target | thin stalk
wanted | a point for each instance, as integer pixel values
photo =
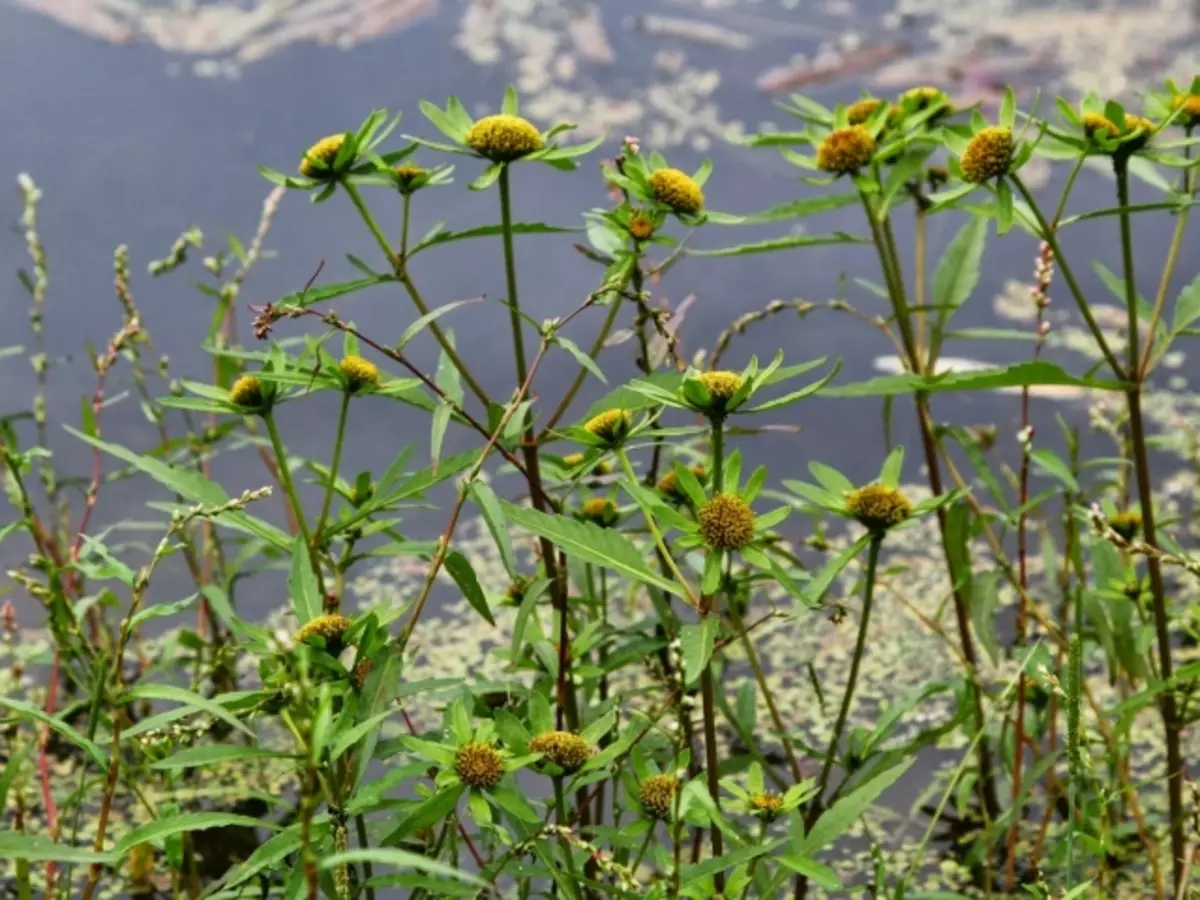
(285, 478)
(560, 811)
(338, 440)
(581, 376)
(1121, 168)
(814, 809)
(659, 541)
(919, 276)
(510, 275)
(637, 860)
(360, 826)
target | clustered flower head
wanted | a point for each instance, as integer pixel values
(318, 159)
(359, 373)
(922, 98)
(846, 150)
(726, 522)
(641, 226)
(988, 155)
(657, 796)
(1190, 106)
(1127, 524)
(721, 385)
(859, 113)
(879, 506)
(330, 627)
(247, 391)
(678, 190)
(669, 483)
(600, 510)
(611, 426)
(479, 765)
(566, 750)
(407, 176)
(766, 804)
(503, 138)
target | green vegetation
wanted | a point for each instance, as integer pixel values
(647, 712)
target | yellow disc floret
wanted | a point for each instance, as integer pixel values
(678, 190)
(359, 373)
(247, 391)
(1127, 524)
(318, 159)
(331, 628)
(600, 510)
(612, 425)
(878, 506)
(721, 385)
(1096, 125)
(726, 522)
(566, 750)
(504, 138)
(479, 765)
(407, 176)
(767, 805)
(1189, 106)
(859, 113)
(846, 150)
(988, 155)
(657, 796)
(641, 226)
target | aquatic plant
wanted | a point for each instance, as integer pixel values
(640, 681)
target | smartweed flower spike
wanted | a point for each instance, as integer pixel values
(988, 155)
(479, 765)
(359, 373)
(657, 796)
(879, 507)
(846, 150)
(1127, 524)
(566, 750)
(726, 522)
(331, 628)
(611, 426)
(318, 159)
(678, 190)
(503, 138)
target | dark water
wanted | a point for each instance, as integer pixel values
(128, 154)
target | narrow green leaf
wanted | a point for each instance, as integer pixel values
(489, 506)
(784, 243)
(185, 822)
(1023, 374)
(186, 698)
(39, 848)
(28, 709)
(463, 573)
(193, 757)
(835, 820)
(306, 596)
(958, 271)
(697, 641)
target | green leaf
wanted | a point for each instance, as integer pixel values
(446, 237)
(161, 610)
(347, 739)
(489, 507)
(821, 582)
(307, 602)
(728, 860)
(1050, 462)
(28, 709)
(419, 324)
(697, 644)
(461, 571)
(784, 243)
(958, 271)
(201, 821)
(191, 757)
(835, 820)
(1023, 374)
(390, 856)
(816, 872)
(192, 486)
(274, 850)
(1187, 306)
(580, 357)
(795, 209)
(186, 698)
(591, 543)
(39, 848)
(315, 295)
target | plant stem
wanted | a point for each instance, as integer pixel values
(814, 809)
(285, 476)
(510, 274)
(1121, 168)
(334, 465)
(369, 220)
(360, 826)
(560, 809)
(637, 860)
(659, 540)
(406, 207)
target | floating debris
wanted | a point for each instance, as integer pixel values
(587, 33)
(831, 67)
(692, 30)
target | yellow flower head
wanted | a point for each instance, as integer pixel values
(332, 628)
(504, 138)
(767, 805)
(566, 750)
(669, 483)
(878, 506)
(1127, 524)
(937, 176)
(1190, 106)
(479, 765)
(602, 467)
(317, 161)
(726, 522)
(1141, 128)
(247, 391)
(677, 190)
(641, 226)
(612, 425)
(1094, 124)
(860, 112)
(359, 373)
(657, 796)
(600, 510)
(361, 673)
(846, 150)
(721, 385)
(988, 155)
(922, 98)
(406, 177)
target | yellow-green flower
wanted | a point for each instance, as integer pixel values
(641, 226)
(247, 391)
(332, 628)
(503, 138)
(317, 161)
(859, 113)
(846, 150)
(611, 426)
(359, 373)
(566, 750)
(726, 522)
(600, 510)
(657, 796)
(678, 190)
(479, 765)
(1096, 124)
(988, 155)
(879, 506)
(767, 804)
(1127, 524)
(1190, 106)
(407, 176)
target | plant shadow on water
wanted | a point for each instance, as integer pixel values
(956, 666)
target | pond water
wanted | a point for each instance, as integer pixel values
(138, 119)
